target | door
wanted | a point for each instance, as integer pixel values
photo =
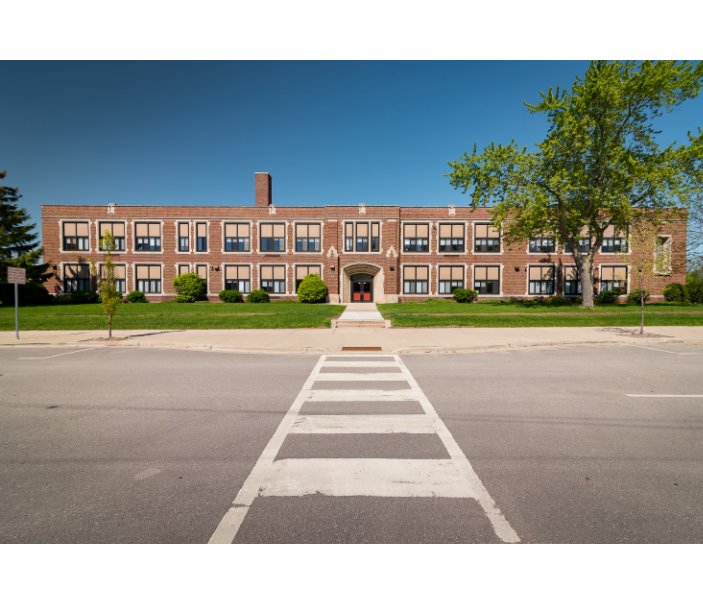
(362, 288)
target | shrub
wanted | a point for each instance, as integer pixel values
(675, 292)
(464, 295)
(312, 290)
(135, 297)
(634, 296)
(84, 297)
(258, 296)
(694, 289)
(231, 295)
(190, 287)
(608, 297)
(557, 301)
(30, 294)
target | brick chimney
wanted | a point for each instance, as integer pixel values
(262, 184)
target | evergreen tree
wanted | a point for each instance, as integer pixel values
(18, 243)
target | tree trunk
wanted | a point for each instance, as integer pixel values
(109, 327)
(586, 276)
(642, 311)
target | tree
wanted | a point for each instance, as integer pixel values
(599, 162)
(190, 287)
(110, 297)
(18, 244)
(646, 261)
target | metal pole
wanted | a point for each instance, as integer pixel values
(17, 314)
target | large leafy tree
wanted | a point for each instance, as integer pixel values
(600, 163)
(18, 243)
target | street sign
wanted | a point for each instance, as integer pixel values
(17, 275)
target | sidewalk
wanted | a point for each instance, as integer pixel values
(397, 340)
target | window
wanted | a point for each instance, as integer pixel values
(201, 270)
(76, 278)
(273, 278)
(662, 255)
(117, 230)
(487, 280)
(486, 239)
(182, 269)
(450, 278)
(614, 241)
(542, 245)
(356, 236)
(148, 278)
(541, 280)
(451, 238)
(416, 238)
(183, 237)
(120, 275)
(237, 237)
(147, 236)
(307, 237)
(238, 277)
(415, 279)
(584, 245)
(613, 278)
(303, 270)
(75, 237)
(572, 281)
(201, 236)
(273, 237)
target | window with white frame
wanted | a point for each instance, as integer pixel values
(237, 237)
(362, 236)
(273, 278)
(182, 269)
(613, 278)
(147, 236)
(451, 238)
(416, 279)
(662, 255)
(238, 277)
(201, 271)
(75, 237)
(487, 280)
(543, 244)
(308, 237)
(416, 238)
(272, 237)
(201, 236)
(303, 270)
(148, 277)
(183, 237)
(486, 239)
(614, 240)
(450, 278)
(117, 230)
(572, 281)
(119, 275)
(541, 280)
(76, 278)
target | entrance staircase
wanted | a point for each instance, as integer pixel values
(361, 315)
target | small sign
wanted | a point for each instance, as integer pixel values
(17, 275)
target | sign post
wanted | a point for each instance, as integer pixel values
(18, 276)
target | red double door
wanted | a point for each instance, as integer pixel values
(362, 288)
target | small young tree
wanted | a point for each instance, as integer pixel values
(110, 297)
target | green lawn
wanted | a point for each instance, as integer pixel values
(443, 313)
(171, 315)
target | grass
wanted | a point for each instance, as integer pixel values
(444, 313)
(171, 315)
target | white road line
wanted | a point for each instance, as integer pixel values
(53, 356)
(665, 395)
(363, 424)
(362, 395)
(662, 350)
(367, 478)
(360, 377)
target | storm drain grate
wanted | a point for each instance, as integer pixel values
(361, 349)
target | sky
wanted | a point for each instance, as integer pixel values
(329, 132)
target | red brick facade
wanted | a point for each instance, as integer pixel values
(386, 266)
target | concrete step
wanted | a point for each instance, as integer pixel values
(353, 323)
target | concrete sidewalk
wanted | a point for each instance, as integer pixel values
(319, 341)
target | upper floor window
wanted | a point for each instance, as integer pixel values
(201, 236)
(543, 244)
(416, 279)
(148, 277)
(237, 237)
(450, 278)
(572, 281)
(613, 278)
(307, 237)
(117, 230)
(486, 238)
(147, 236)
(238, 277)
(541, 280)
(183, 237)
(272, 237)
(76, 278)
(584, 244)
(303, 270)
(614, 240)
(75, 237)
(451, 238)
(362, 236)
(416, 238)
(273, 278)
(487, 280)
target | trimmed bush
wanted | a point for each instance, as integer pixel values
(634, 296)
(32, 294)
(608, 297)
(694, 289)
(135, 297)
(190, 287)
(231, 295)
(85, 297)
(312, 290)
(258, 296)
(675, 292)
(557, 301)
(464, 295)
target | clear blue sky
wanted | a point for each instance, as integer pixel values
(328, 132)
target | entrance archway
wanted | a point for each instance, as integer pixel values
(361, 287)
(362, 282)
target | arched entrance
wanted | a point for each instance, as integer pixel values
(361, 287)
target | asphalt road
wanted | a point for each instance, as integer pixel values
(116, 445)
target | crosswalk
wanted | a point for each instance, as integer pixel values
(340, 385)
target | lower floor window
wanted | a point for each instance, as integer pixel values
(238, 277)
(416, 279)
(613, 278)
(572, 281)
(274, 286)
(241, 285)
(273, 278)
(450, 278)
(149, 286)
(303, 270)
(148, 278)
(541, 280)
(487, 280)
(76, 278)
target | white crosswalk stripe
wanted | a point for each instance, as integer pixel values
(344, 477)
